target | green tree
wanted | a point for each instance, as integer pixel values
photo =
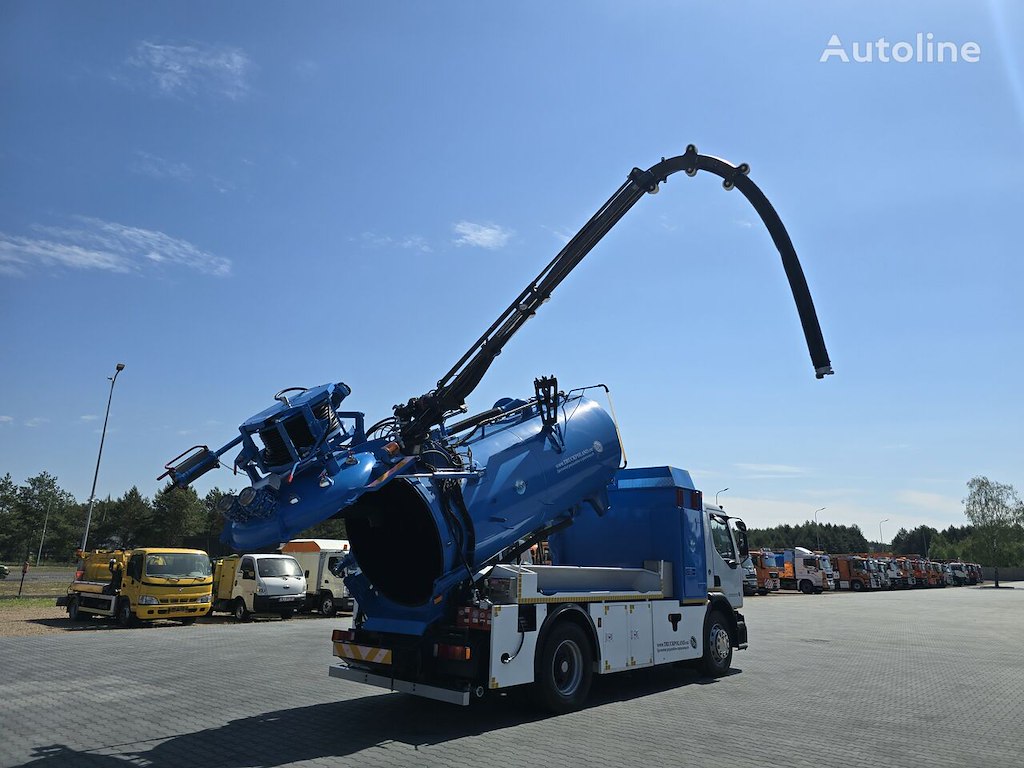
(997, 514)
(126, 523)
(178, 514)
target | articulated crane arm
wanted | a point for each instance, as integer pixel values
(418, 416)
(308, 460)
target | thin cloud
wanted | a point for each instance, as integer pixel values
(193, 69)
(105, 246)
(38, 421)
(6, 420)
(770, 471)
(408, 242)
(489, 236)
(89, 417)
(156, 167)
(932, 502)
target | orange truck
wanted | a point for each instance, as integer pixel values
(767, 567)
(856, 573)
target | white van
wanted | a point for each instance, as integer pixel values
(258, 584)
(318, 559)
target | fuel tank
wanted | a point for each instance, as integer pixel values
(417, 537)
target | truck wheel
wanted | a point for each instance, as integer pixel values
(187, 621)
(806, 587)
(240, 612)
(125, 615)
(327, 605)
(856, 586)
(564, 669)
(73, 612)
(287, 614)
(717, 645)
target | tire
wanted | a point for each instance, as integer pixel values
(240, 612)
(806, 587)
(328, 606)
(187, 621)
(856, 586)
(287, 614)
(564, 669)
(717, 645)
(73, 612)
(125, 615)
(762, 592)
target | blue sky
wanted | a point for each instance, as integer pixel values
(234, 198)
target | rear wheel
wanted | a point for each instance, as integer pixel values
(717, 645)
(240, 612)
(73, 610)
(327, 605)
(856, 586)
(564, 669)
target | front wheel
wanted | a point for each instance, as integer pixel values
(564, 669)
(287, 613)
(187, 621)
(125, 615)
(327, 605)
(806, 587)
(240, 612)
(717, 645)
(856, 586)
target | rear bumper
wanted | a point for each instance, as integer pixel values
(437, 693)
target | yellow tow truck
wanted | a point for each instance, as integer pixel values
(142, 584)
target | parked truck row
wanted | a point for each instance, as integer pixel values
(146, 584)
(814, 572)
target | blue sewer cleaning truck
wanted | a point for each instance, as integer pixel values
(442, 510)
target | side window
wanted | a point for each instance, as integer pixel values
(721, 539)
(810, 562)
(135, 567)
(248, 568)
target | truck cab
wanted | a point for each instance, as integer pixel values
(768, 568)
(258, 584)
(802, 571)
(321, 561)
(726, 551)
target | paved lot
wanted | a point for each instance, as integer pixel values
(907, 678)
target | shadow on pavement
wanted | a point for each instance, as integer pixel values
(345, 728)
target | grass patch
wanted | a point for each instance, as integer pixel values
(9, 587)
(26, 602)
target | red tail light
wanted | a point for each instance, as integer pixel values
(343, 636)
(452, 652)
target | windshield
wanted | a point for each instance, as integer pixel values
(278, 566)
(178, 565)
(826, 564)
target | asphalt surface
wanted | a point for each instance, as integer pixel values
(930, 678)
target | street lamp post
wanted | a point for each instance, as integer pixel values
(718, 492)
(817, 530)
(880, 539)
(43, 537)
(103, 436)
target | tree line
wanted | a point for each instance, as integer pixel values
(40, 521)
(994, 535)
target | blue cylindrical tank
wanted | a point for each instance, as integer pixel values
(418, 536)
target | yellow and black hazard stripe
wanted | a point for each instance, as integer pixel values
(362, 653)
